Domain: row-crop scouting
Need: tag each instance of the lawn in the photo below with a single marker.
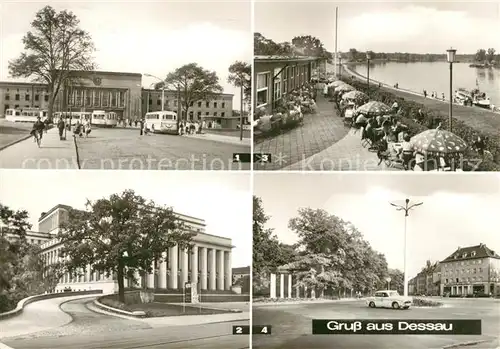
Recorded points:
(10, 131)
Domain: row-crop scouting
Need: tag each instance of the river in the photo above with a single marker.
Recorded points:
(435, 76)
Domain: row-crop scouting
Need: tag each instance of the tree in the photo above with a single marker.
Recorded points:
(490, 55)
(397, 280)
(54, 48)
(240, 76)
(480, 55)
(267, 47)
(194, 83)
(121, 234)
(310, 46)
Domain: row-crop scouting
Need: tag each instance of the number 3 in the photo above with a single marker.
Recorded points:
(239, 330)
(264, 158)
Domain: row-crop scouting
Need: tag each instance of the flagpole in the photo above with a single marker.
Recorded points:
(336, 32)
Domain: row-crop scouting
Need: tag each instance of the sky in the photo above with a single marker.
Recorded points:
(389, 26)
(146, 37)
(457, 211)
(222, 199)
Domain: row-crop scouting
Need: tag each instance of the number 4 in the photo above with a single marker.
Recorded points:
(264, 329)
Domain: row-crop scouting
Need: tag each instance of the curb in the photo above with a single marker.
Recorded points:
(137, 315)
(12, 143)
(229, 311)
(466, 344)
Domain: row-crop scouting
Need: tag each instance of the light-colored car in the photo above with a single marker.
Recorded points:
(389, 299)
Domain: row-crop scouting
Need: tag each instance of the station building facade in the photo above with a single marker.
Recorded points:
(118, 92)
(207, 264)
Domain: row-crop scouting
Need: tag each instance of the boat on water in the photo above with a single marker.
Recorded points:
(472, 97)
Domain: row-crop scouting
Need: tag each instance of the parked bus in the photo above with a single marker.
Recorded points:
(25, 115)
(162, 122)
(104, 119)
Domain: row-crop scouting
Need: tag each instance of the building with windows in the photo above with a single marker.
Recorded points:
(207, 264)
(117, 92)
(217, 112)
(32, 237)
(276, 76)
(471, 271)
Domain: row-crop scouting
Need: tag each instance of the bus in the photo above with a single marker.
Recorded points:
(162, 122)
(25, 115)
(104, 119)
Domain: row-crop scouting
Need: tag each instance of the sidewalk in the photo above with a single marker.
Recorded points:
(316, 301)
(221, 138)
(318, 132)
(38, 316)
(53, 153)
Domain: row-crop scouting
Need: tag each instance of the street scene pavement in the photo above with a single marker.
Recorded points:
(292, 325)
(126, 149)
(77, 324)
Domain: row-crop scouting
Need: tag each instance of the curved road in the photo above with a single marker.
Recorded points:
(292, 325)
(88, 329)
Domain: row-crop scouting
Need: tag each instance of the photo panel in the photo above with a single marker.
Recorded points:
(146, 260)
(141, 85)
(385, 86)
(348, 259)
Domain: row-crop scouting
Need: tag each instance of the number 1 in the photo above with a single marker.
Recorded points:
(237, 157)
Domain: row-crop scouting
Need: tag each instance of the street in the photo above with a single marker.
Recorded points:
(91, 330)
(125, 149)
(292, 325)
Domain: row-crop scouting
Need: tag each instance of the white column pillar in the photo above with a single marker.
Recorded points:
(174, 268)
(289, 285)
(151, 277)
(272, 286)
(203, 261)
(212, 268)
(184, 267)
(220, 270)
(162, 275)
(194, 264)
(87, 273)
(228, 272)
(297, 291)
(313, 293)
(282, 285)
(305, 292)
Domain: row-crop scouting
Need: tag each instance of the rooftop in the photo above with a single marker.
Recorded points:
(174, 91)
(284, 59)
(471, 252)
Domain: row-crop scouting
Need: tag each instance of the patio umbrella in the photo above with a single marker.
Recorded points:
(337, 83)
(344, 88)
(355, 96)
(373, 108)
(438, 142)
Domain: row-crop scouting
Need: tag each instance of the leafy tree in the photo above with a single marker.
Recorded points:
(240, 76)
(121, 234)
(310, 46)
(480, 55)
(194, 84)
(490, 55)
(55, 46)
(397, 280)
(267, 47)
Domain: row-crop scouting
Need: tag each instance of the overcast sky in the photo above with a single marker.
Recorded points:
(457, 210)
(389, 26)
(222, 199)
(146, 37)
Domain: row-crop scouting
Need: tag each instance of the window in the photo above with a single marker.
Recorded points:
(191, 115)
(7, 97)
(158, 102)
(199, 104)
(105, 98)
(215, 113)
(7, 106)
(464, 255)
(17, 96)
(223, 105)
(37, 98)
(215, 104)
(207, 104)
(206, 113)
(473, 253)
(199, 114)
(113, 98)
(150, 101)
(27, 97)
(46, 98)
(262, 89)
(222, 114)
(277, 85)
(16, 106)
(285, 77)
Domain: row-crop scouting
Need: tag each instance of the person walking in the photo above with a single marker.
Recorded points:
(61, 126)
(141, 126)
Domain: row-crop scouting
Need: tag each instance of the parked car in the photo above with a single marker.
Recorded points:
(388, 299)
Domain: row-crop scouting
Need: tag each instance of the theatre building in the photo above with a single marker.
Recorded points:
(207, 263)
(471, 271)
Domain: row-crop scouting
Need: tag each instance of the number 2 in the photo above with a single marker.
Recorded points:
(239, 330)
(264, 329)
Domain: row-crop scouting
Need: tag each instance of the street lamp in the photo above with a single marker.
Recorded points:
(406, 208)
(368, 57)
(388, 283)
(451, 58)
(162, 90)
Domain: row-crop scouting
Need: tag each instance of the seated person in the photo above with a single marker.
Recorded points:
(406, 151)
(361, 121)
(368, 130)
(479, 145)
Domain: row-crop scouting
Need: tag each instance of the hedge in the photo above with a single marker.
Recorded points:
(408, 109)
(421, 302)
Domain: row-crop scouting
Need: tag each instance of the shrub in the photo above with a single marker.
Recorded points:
(421, 302)
(410, 108)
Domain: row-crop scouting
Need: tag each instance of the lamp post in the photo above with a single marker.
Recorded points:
(368, 57)
(388, 283)
(406, 208)
(451, 58)
(162, 90)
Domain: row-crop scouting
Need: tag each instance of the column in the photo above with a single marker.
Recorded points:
(194, 265)
(137, 276)
(87, 274)
(172, 280)
(212, 268)
(220, 270)
(151, 277)
(289, 285)
(162, 275)
(203, 261)
(305, 292)
(282, 285)
(184, 267)
(272, 286)
(228, 272)
(297, 291)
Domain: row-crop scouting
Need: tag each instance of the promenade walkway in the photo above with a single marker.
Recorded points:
(318, 132)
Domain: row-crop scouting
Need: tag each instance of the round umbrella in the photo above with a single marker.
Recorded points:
(337, 83)
(438, 142)
(344, 88)
(355, 95)
(373, 108)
